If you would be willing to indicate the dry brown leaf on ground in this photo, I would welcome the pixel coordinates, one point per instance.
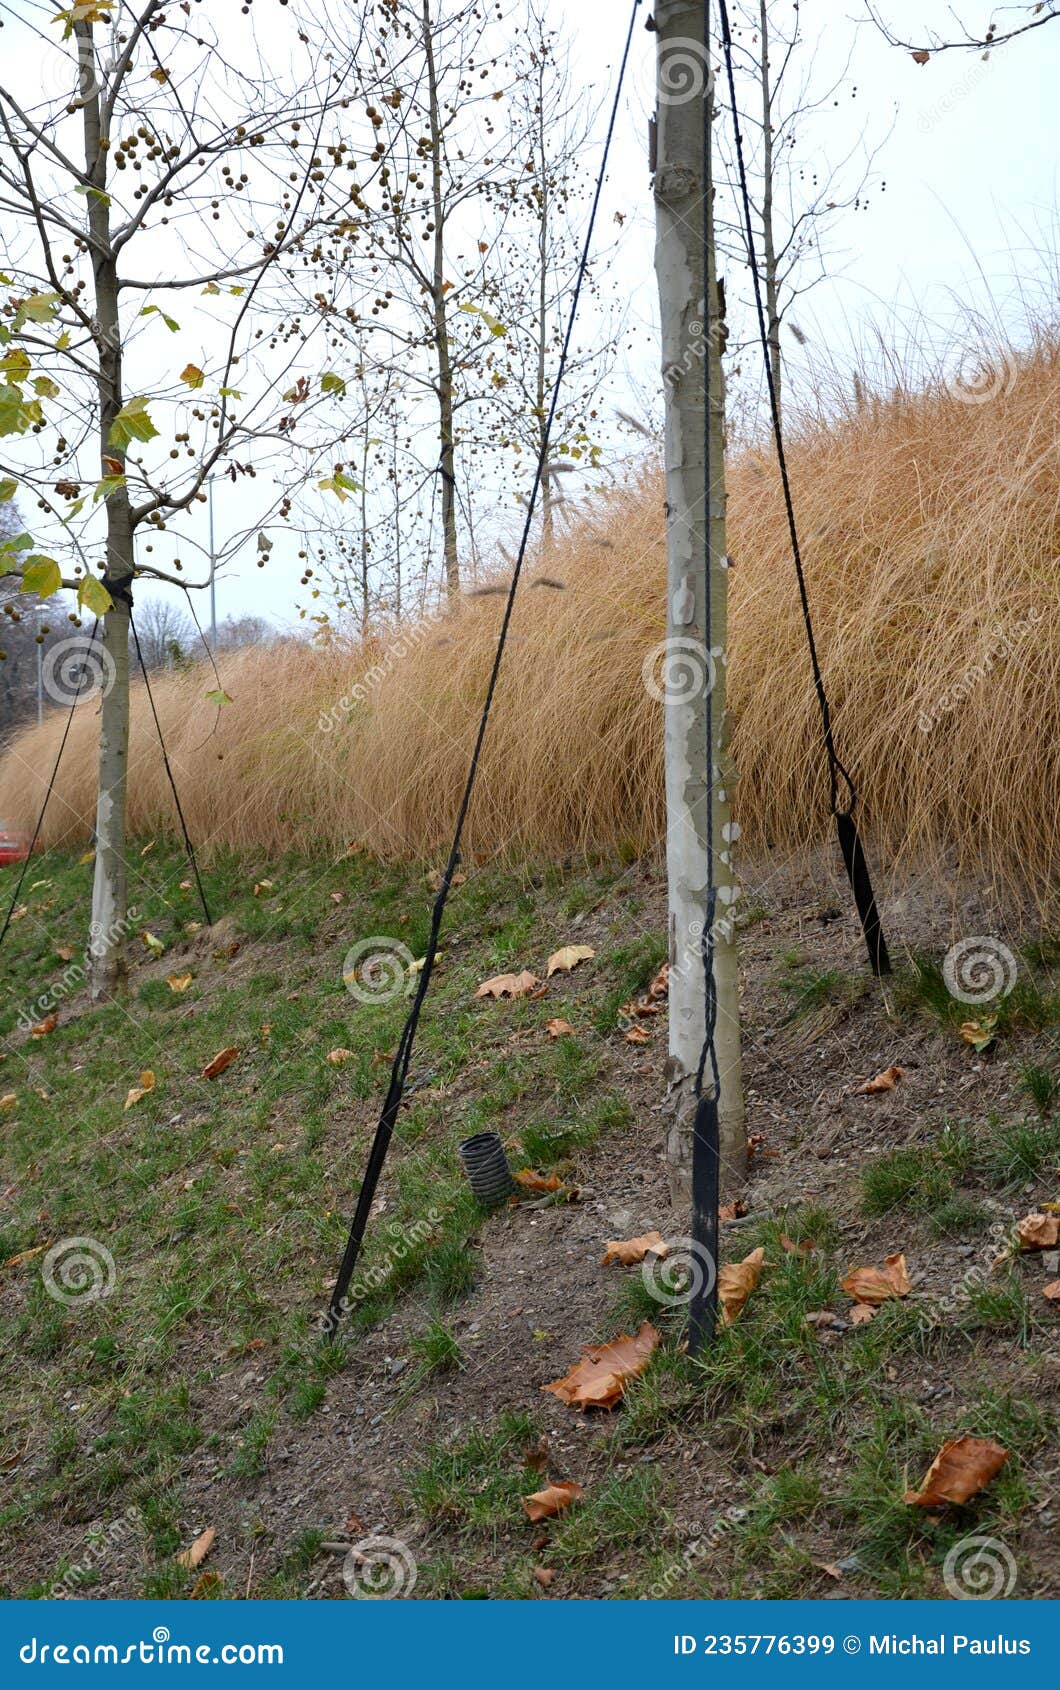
(557, 1027)
(881, 1082)
(552, 1500)
(630, 1251)
(567, 958)
(508, 985)
(876, 1285)
(638, 1036)
(43, 1028)
(25, 1256)
(1039, 1232)
(205, 1586)
(736, 1281)
(805, 1246)
(178, 982)
(339, 1057)
(196, 1555)
(598, 1379)
(8, 1102)
(65, 953)
(531, 1180)
(1052, 1290)
(820, 1317)
(147, 1083)
(862, 1313)
(220, 1062)
(959, 1471)
(731, 1211)
(660, 986)
(544, 1576)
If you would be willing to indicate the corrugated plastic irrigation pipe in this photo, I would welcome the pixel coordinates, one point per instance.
(486, 1167)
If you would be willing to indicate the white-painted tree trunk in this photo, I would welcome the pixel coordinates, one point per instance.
(691, 348)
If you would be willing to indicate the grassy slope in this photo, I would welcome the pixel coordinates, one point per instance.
(224, 1204)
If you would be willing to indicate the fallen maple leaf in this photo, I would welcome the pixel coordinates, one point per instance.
(196, 1555)
(220, 1062)
(876, 1285)
(65, 953)
(8, 1101)
(204, 1587)
(959, 1471)
(544, 1576)
(1039, 1232)
(630, 1251)
(178, 982)
(338, 1058)
(882, 1082)
(43, 1028)
(508, 985)
(979, 1034)
(598, 1379)
(863, 1312)
(1052, 1291)
(557, 1027)
(552, 1500)
(147, 1083)
(638, 1036)
(531, 1180)
(731, 1211)
(736, 1281)
(567, 958)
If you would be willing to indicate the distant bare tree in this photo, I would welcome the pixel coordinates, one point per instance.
(166, 633)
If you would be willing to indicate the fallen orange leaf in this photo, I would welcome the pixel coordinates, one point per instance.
(732, 1211)
(508, 985)
(24, 1256)
(597, 1380)
(1052, 1290)
(882, 1082)
(552, 1500)
(567, 958)
(557, 1027)
(178, 982)
(338, 1058)
(876, 1285)
(204, 1585)
(736, 1281)
(196, 1555)
(1039, 1232)
(638, 1036)
(630, 1251)
(43, 1028)
(960, 1470)
(220, 1062)
(544, 1576)
(147, 1083)
(531, 1180)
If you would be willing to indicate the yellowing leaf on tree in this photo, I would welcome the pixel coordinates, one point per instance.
(147, 1083)
(131, 423)
(220, 1062)
(192, 374)
(562, 961)
(959, 1471)
(629, 1251)
(599, 1378)
(543, 1504)
(736, 1281)
(877, 1285)
(492, 323)
(196, 1555)
(508, 985)
(178, 982)
(93, 596)
(42, 576)
(882, 1082)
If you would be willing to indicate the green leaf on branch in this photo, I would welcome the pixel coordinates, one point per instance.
(86, 11)
(218, 697)
(17, 413)
(47, 388)
(97, 194)
(230, 392)
(8, 489)
(42, 576)
(171, 322)
(331, 383)
(131, 423)
(15, 365)
(17, 543)
(93, 596)
(495, 326)
(36, 308)
(107, 486)
(339, 484)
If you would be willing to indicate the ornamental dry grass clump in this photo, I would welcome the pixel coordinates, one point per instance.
(931, 533)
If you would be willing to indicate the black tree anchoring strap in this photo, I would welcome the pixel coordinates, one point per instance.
(846, 826)
(55, 770)
(402, 1057)
(188, 846)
